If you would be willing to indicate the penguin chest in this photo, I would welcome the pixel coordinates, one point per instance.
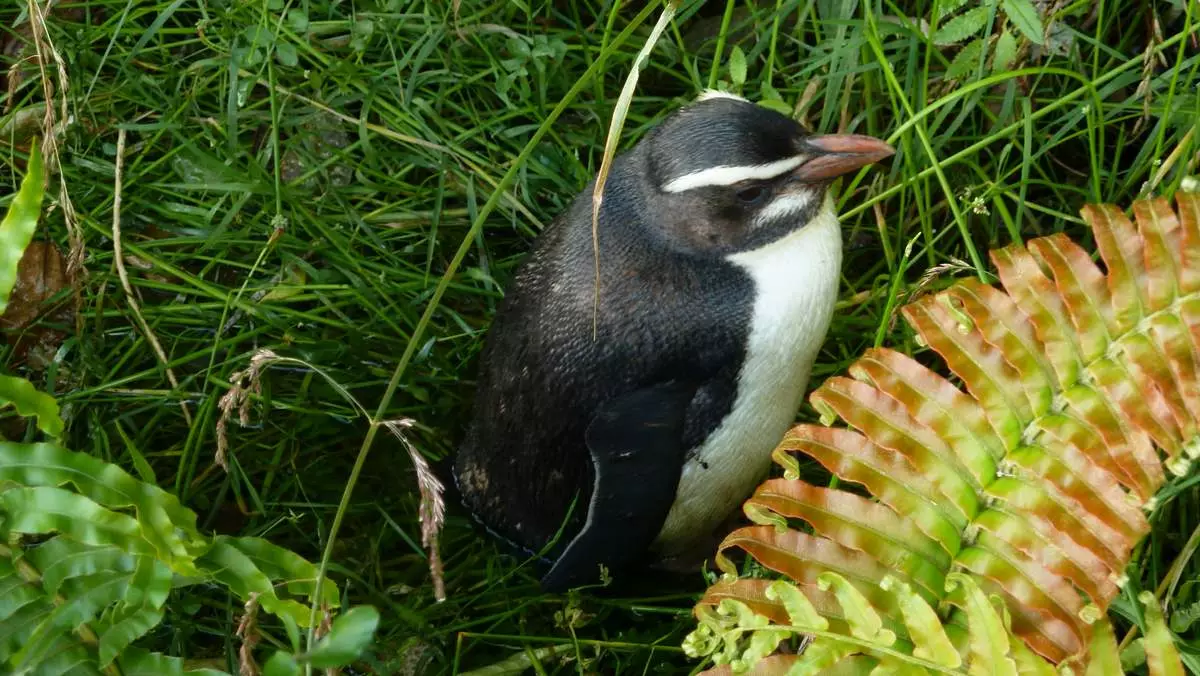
(795, 282)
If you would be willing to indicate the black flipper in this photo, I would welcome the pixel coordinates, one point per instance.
(636, 443)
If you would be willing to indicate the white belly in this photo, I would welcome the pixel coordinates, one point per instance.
(796, 281)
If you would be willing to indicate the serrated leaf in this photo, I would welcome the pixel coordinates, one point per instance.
(737, 66)
(966, 60)
(948, 7)
(962, 26)
(20, 222)
(1025, 17)
(1005, 53)
(348, 637)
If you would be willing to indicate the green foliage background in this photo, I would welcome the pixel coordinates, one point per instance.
(300, 176)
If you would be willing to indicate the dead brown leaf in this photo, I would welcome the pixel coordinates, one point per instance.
(41, 275)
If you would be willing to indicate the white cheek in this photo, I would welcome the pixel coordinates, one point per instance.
(784, 206)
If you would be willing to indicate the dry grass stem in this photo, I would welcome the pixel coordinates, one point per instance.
(432, 512)
(119, 260)
(247, 631)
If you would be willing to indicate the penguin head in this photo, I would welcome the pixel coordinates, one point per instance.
(726, 175)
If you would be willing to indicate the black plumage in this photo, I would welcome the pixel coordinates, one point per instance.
(626, 386)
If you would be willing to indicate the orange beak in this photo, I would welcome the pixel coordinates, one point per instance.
(838, 154)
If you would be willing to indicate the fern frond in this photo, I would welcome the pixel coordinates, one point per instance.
(114, 548)
(1028, 487)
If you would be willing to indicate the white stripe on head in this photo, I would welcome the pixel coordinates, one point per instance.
(716, 94)
(728, 175)
(788, 204)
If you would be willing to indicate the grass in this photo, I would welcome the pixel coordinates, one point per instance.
(353, 184)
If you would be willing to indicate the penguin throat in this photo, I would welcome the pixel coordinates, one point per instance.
(796, 280)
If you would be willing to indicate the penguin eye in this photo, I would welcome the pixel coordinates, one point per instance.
(751, 195)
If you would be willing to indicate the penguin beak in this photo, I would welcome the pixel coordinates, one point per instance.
(838, 154)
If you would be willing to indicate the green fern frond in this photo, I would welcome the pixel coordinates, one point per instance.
(1029, 485)
(115, 548)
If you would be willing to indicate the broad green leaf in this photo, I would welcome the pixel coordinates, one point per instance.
(1005, 53)
(762, 643)
(966, 60)
(119, 632)
(737, 66)
(349, 635)
(1025, 17)
(17, 627)
(278, 563)
(62, 558)
(150, 585)
(962, 26)
(281, 664)
(231, 567)
(46, 510)
(84, 599)
(20, 221)
(165, 525)
(1161, 655)
(139, 662)
(285, 53)
(67, 657)
(15, 593)
(924, 626)
(29, 401)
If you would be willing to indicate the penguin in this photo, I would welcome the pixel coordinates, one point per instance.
(620, 420)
